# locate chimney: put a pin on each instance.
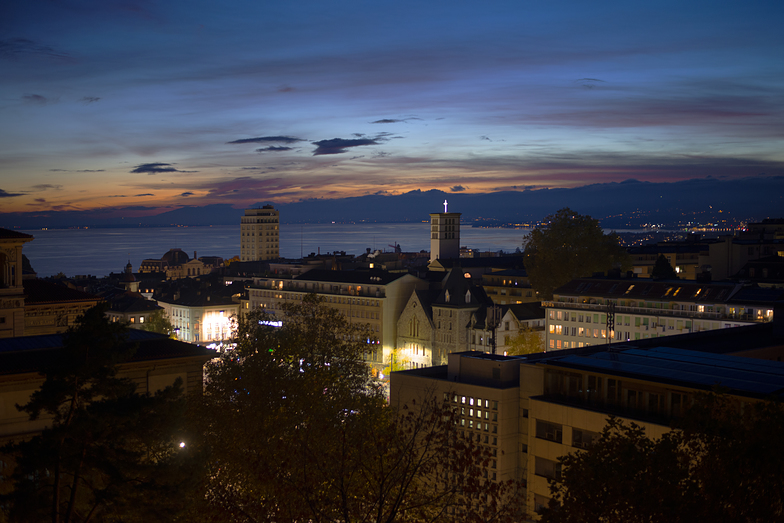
(194, 256)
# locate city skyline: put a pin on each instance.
(140, 108)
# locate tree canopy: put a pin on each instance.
(723, 464)
(109, 452)
(567, 246)
(662, 269)
(297, 430)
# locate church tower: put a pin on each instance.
(444, 235)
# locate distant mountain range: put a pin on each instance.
(629, 204)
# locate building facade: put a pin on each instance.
(259, 234)
(373, 297)
(444, 235)
(12, 295)
(577, 316)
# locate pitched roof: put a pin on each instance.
(42, 291)
(34, 353)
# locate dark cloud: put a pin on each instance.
(340, 145)
(269, 139)
(274, 148)
(485, 138)
(588, 83)
(89, 99)
(40, 200)
(143, 194)
(388, 120)
(45, 186)
(16, 47)
(457, 188)
(187, 194)
(154, 168)
(4, 194)
(35, 99)
(90, 171)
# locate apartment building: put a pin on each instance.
(577, 316)
(533, 409)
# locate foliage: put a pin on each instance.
(108, 451)
(662, 270)
(527, 341)
(158, 322)
(570, 246)
(297, 431)
(722, 464)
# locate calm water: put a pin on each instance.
(101, 251)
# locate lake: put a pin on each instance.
(99, 252)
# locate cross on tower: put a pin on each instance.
(445, 204)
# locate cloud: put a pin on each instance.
(274, 148)
(89, 99)
(143, 194)
(154, 168)
(588, 83)
(4, 194)
(40, 200)
(340, 145)
(186, 194)
(35, 99)
(485, 138)
(16, 47)
(388, 120)
(457, 188)
(269, 139)
(45, 186)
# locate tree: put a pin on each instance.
(662, 270)
(108, 452)
(527, 341)
(569, 246)
(297, 430)
(158, 322)
(722, 463)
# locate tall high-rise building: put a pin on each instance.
(259, 234)
(444, 235)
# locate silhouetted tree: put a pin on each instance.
(723, 464)
(662, 270)
(297, 431)
(109, 454)
(567, 246)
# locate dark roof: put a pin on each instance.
(489, 262)
(14, 235)
(362, 276)
(458, 286)
(42, 291)
(527, 311)
(34, 353)
(646, 289)
(743, 376)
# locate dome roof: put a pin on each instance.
(175, 257)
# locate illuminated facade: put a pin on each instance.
(259, 234)
(373, 297)
(202, 323)
(577, 315)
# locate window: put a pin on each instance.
(549, 431)
(547, 468)
(582, 439)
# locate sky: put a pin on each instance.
(141, 106)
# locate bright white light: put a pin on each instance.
(182, 444)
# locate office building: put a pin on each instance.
(259, 234)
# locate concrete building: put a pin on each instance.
(643, 308)
(533, 409)
(509, 286)
(372, 296)
(51, 308)
(157, 362)
(259, 234)
(444, 235)
(12, 295)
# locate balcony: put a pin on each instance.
(602, 308)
